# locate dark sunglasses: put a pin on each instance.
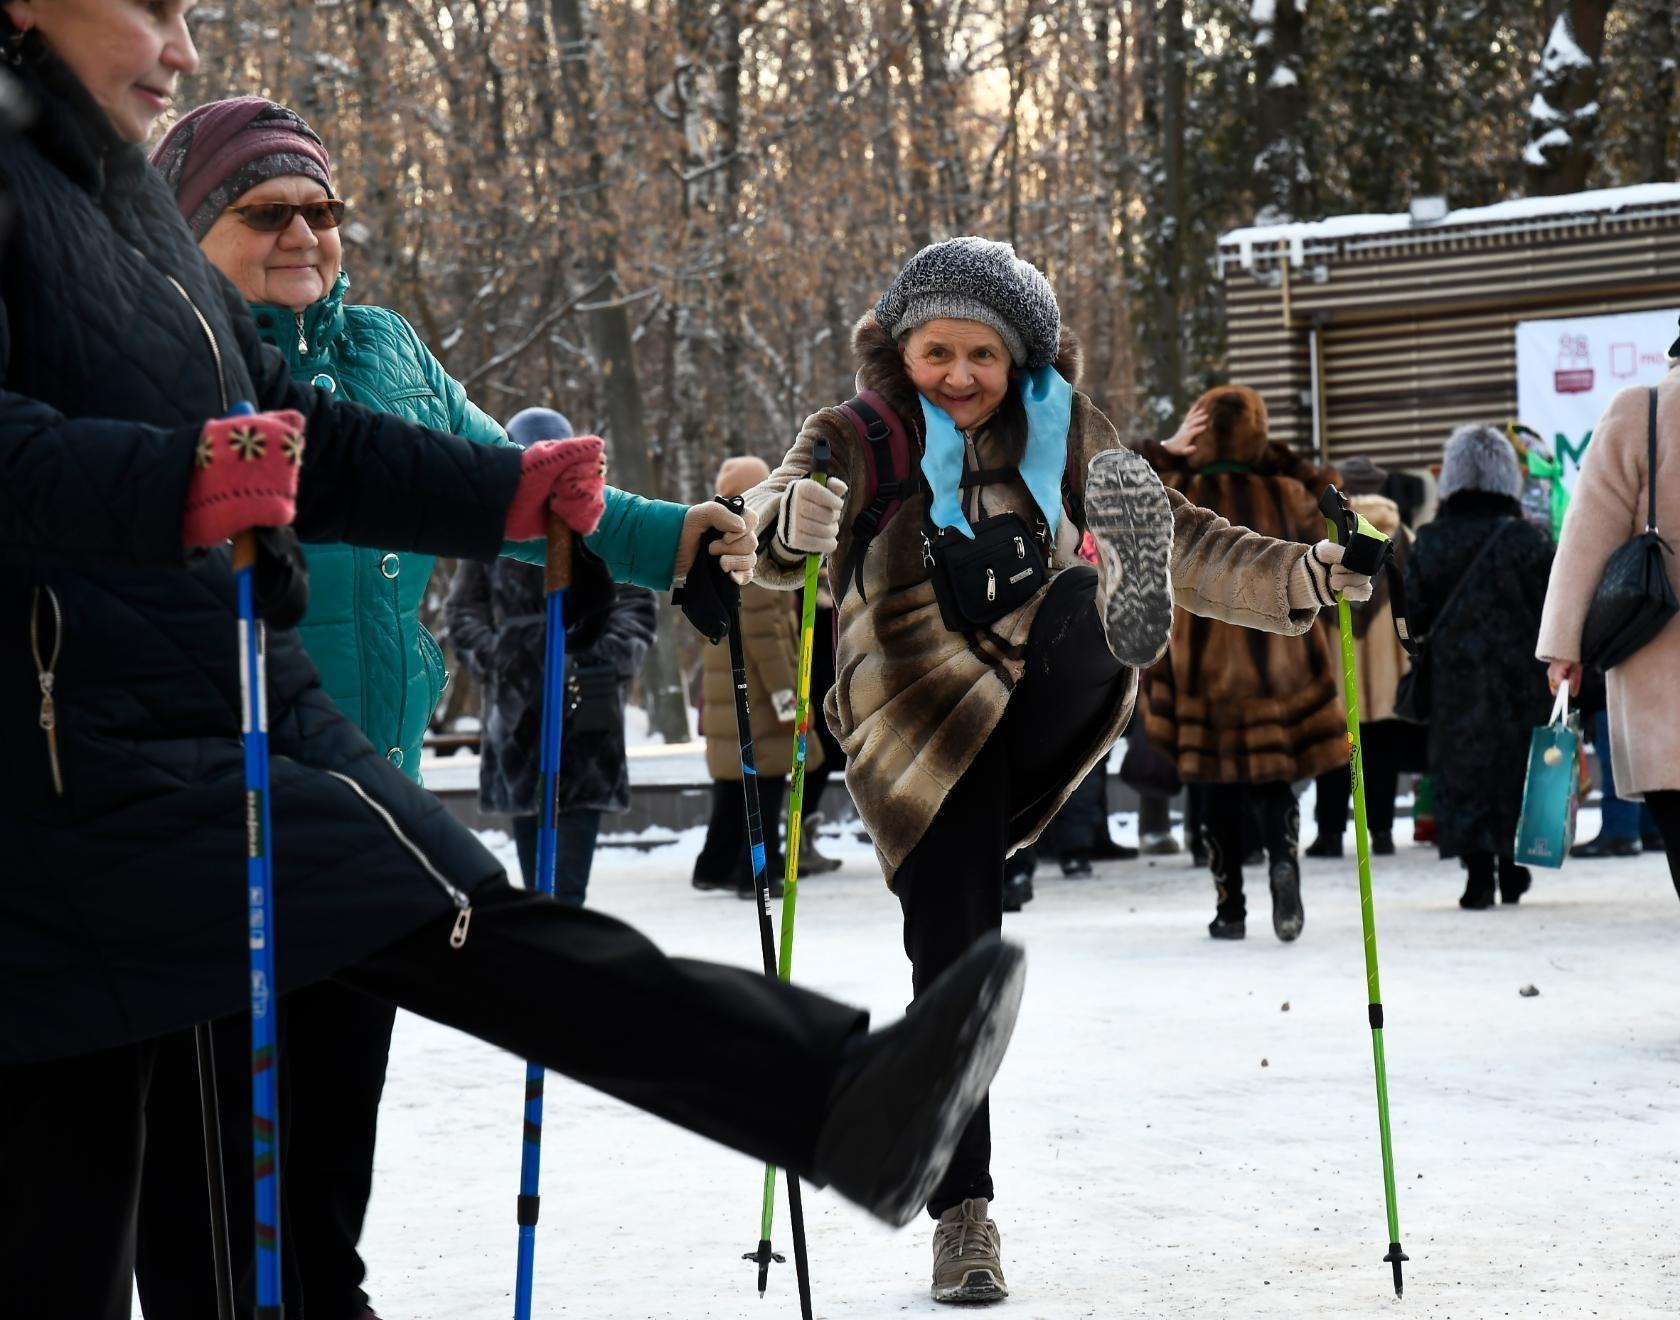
(273, 217)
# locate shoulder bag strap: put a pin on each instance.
(1651, 466)
(1470, 569)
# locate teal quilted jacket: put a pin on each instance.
(362, 629)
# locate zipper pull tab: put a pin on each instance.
(1020, 548)
(991, 585)
(927, 552)
(303, 343)
(463, 919)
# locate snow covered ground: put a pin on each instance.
(1183, 1128)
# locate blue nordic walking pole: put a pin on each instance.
(558, 576)
(259, 895)
(1366, 550)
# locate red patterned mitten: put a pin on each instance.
(247, 476)
(563, 477)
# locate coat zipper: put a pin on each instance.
(45, 675)
(463, 904)
(215, 348)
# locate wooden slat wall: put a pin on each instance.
(1418, 338)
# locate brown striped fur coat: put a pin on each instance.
(913, 703)
(1229, 704)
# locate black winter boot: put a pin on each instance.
(1478, 884)
(1514, 880)
(903, 1095)
(1231, 913)
(1287, 914)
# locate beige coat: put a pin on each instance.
(1608, 506)
(1381, 659)
(913, 702)
(770, 646)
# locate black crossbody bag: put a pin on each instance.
(979, 581)
(1634, 600)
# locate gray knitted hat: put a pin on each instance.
(1480, 457)
(975, 279)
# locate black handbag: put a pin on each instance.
(593, 704)
(977, 581)
(1412, 697)
(1634, 599)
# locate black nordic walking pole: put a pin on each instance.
(215, 1180)
(1365, 550)
(558, 578)
(766, 937)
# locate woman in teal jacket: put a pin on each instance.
(254, 183)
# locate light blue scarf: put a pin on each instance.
(1049, 404)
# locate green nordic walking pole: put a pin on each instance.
(820, 458)
(1365, 550)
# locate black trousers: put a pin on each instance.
(1665, 810)
(724, 859)
(718, 1050)
(335, 1043)
(1227, 810)
(1388, 748)
(951, 884)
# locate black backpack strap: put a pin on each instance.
(892, 487)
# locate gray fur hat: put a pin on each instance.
(976, 279)
(1480, 457)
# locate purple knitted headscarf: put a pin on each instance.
(218, 152)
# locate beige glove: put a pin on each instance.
(810, 521)
(738, 546)
(1318, 575)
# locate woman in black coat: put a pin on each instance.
(1488, 691)
(122, 906)
(495, 617)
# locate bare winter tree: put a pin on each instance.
(1563, 116)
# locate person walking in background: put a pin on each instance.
(495, 614)
(1609, 505)
(1389, 745)
(1245, 714)
(812, 862)
(1475, 582)
(1625, 828)
(770, 641)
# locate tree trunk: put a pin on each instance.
(610, 337)
(1280, 168)
(1563, 115)
(939, 105)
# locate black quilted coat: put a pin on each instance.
(496, 629)
(122, 894)
(1488, 689)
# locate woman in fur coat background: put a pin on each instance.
(1245, 714)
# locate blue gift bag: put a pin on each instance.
(1552, 789)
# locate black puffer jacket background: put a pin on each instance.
(496, 623)
(1487, 688)
(122, 898)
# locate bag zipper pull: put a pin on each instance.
(991, 585)
(49, 723)
(1020, 548)
(927, 552)
(463, 919)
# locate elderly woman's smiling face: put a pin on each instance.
(291, 268)
(962, 366)
(129, 54)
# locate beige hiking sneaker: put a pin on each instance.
(966, 1256)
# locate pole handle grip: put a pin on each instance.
(557, 563)
(244, 550)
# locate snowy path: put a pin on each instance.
(1149, 1163)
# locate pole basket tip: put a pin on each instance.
(762, 1258)
(1394, 1257)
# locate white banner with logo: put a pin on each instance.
(1569, 370)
